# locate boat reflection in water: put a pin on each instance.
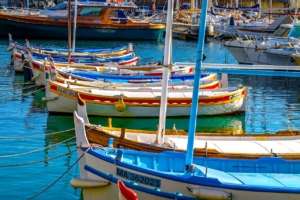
(231, 124)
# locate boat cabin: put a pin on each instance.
(107, 12)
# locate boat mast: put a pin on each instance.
(270, 10)
(69, 31)
(296, 12)
(192, 4)
(259, 12)
(166, 74)
(236, 4)
(74, 26)
(197, 74)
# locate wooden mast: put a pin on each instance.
(260, 8)
(166, 74)
(69, 31)
(270, 10)
(74, 26)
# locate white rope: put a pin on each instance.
(36, 150)
(51, 184)
(37, 161)
(34, 135)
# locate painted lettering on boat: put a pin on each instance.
(66, 92)
(138, 178)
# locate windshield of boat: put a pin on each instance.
(90, 11)
(118, 15)
(60, 6)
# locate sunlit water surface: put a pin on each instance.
(27, 167)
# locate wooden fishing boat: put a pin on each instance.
(96, 20)
(209, 82)
(164, 176)
(109, 72)
(97, 52)
(37, 60)
(41, 68)
(219, 145)
(141, 102)
(123, 75)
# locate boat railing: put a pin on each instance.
(120, 20)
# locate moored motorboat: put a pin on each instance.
(271, 51)
(96, 20)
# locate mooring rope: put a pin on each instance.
(36, 150)
(21, 95)
(32, 92)
(23, 88)
(51, 184)
(23, 83)
(37, 161)
(35, 135)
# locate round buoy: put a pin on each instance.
(120, 105)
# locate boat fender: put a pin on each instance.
(85, 183)
(292, 60)
(210, 194)
(130, 47)
(120, 105)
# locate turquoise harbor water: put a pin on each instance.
(33, 153)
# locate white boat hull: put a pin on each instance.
(62, 104)
(250, 55)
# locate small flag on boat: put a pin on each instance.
(126, 193)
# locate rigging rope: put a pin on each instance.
(51, 184)
(36, 150)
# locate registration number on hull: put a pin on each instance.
(138, 178)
